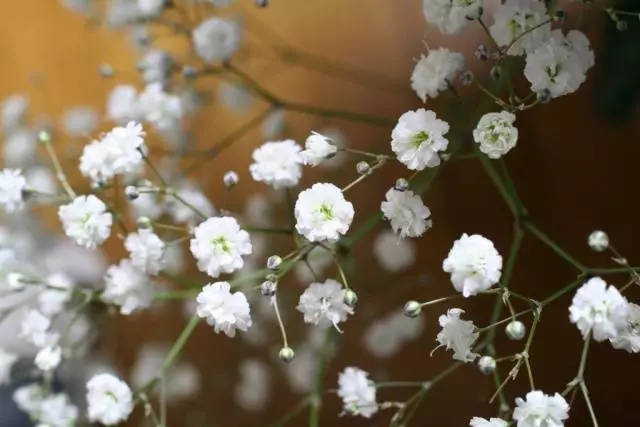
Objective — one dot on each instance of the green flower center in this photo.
(420, 137)
(326, 211)
(221, 243)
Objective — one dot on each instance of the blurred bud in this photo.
(144, 222)
(496, 73)
(273, 262)
(131, 192)
(560, 16)
(262, 3)
(189, 71)
(350, 298)
(286, 354)
(482, 53)
(515, 330)
(272, 277)
(412, 309)
(466, 78)
(544, 96)
(487, 365)
(598, 240)
(230, 179)
(106, 70)
(401, 184)
(268, 288)
(44, 136)
(622, 25)
(15, 281)
(363, 168)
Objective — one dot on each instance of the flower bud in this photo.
(106, 70)
(401, 184)
(131, 192)
(544, 96)
(515, 330)
(466, 78)
(286, 354)
(622, 25)
(268, 288)
(412, 309)
(144, 222)
(262, 3)
(273, 262)
(44, 136)
(482, 53)
(487, 365)
(230, 179)
(598, 240)
(350, 298)
(189, 71)
(363, 168)
(272, 277)
(496, 73)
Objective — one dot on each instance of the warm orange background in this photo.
(574, 172)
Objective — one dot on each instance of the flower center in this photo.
(420, 137)
(326, 211)
(222, 244)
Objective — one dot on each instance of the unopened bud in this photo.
(268, 288)
(131, 192)
(106, 70)
(230, 179)
(44, 136)
(622, 25)
(350, 298)
(363, 168)
(598, 240)
(515, 330)
(466, 78)
(286, 354)
(496, 73)
(487, 365)
(273, 262)
(482, 53)
(412, 309)
(401, 184)
(144, 222)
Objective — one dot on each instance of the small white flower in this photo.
(127, 287)
(122, 104)
(474, 263)
(496, 134)
(7, 360)
(41, 180)
(629, 338)
(80, 121)
(188, 196)
(48, 358)
(578, 43)
(358, 392)
(317, 148)
(555, 67)
(13, 111)
(385, 337)
(20, 148)
(252, 391)
(12, 185)
(56, 410)
(274, 124)
(599, 309)
(149, 205)
(406, 213)
(394, 254)
(322, 213)
(29, 398)
(278, 164)
(86, 221)
(457, 335)
(157, 65)
(218, 245)
(223, 310)
(323, 304)
(539, 409)
(151, 8)
(514, 23)
(35, 329)
(216, 39)
(418, 138)
(491, 422)
(109, 400)
(435, 72)
(146, 250)
(55, 295)
(160, 108)
(451, 16)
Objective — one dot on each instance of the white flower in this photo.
(216, 39)
(514, 23)
(56, 294)
(491, 422)
(434, 73)
(122, 104)
(218, 245)
(194, 198)
(151, 8)
(323, 304)
(40, 179)
(109, 400)
(554, 67)
(86, 221)
(539, 409)
(80, 121)
(20, 148)
(278, 164)
(35, 329)
(274, 124)
(94, 162)
(496, 134)
(317, 148)
(358, 392)
(48, 358)
(163, 110)
(457, 335)
(394, 254)
(13, 111)
(474, 263)
(127, 287)
(322, 213)
(628, 338)
(29, 398)
(157, 65)
(451, 16)
(149, 205)
(385, 337)
(418, 138)
(146, 250)
(599, 310)
(252, 391)
(56, 410)
(7, 360)
(577, 42)
(406, 213)
(12, 185)
(223, 310)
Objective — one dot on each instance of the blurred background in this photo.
(574, 168)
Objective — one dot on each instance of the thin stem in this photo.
(553, 246)
(58, 168)
(486, 30)
(316, 398)
(291, 414)
(283, 332)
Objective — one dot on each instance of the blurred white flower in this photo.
(48, 358)
(13, 111)
(235, 97)
(127, 287)
(20, 148)
(188, 197)
(252, 390)
(35, 329)
(394, 253)
(629, 337)
(12, 186)
(122, 104)
(7, 360)
(146, 250)
(162, 109)
(435, 72)
(55, 295)
(492, 422)
(56, 410)
(80, 121)
(216, 39)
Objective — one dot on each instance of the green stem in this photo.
(553, 246)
